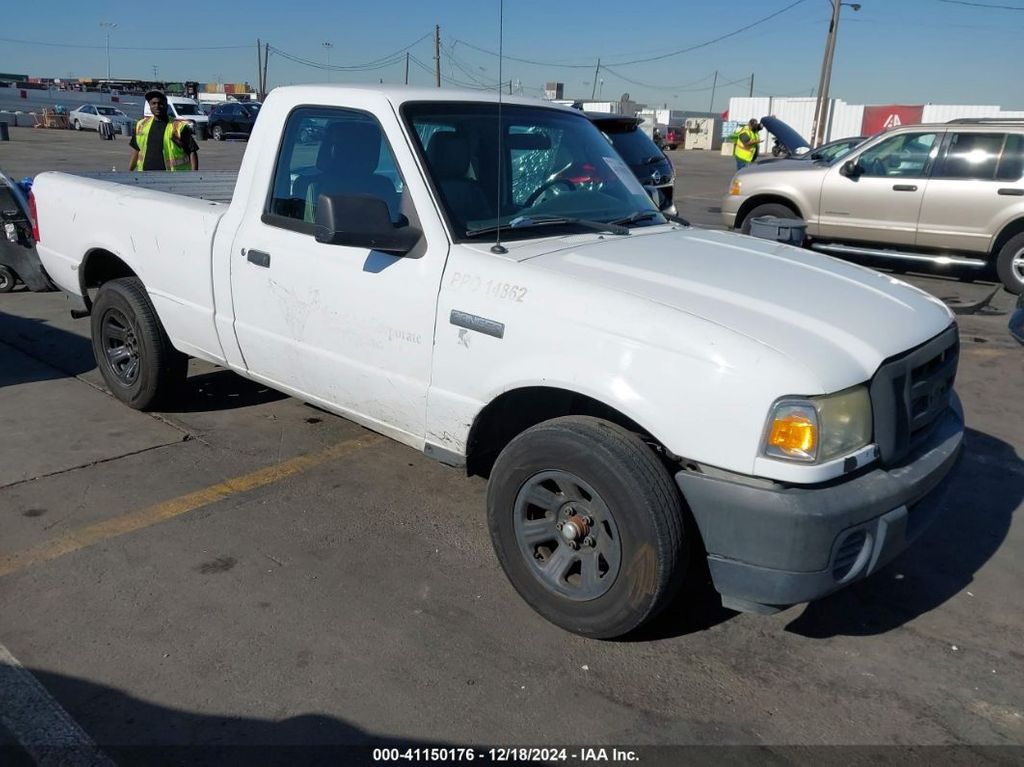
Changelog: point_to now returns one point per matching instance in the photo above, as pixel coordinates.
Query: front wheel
(767, 209)
(77, 125)
(8, 279)
(587, 525)
(133, 353)
(1010, 264)
(218, 133)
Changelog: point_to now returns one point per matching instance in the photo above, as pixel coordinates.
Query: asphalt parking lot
(248, 570)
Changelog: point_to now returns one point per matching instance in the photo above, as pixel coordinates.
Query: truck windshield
(556, 170)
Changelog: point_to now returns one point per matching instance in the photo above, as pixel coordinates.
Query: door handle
(258, 257)
(904, 188)
(1012, 192)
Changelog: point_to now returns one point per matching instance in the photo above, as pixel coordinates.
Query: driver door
(881, 203)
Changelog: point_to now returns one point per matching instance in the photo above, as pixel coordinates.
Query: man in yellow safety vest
(747, 142)
(159, 144)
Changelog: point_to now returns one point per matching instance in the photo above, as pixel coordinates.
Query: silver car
(948, 194)
(89, 117)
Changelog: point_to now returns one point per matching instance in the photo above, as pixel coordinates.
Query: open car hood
(792, 141)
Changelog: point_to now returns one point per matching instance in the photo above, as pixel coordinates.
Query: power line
(125, 48)
(984, 5)
(726, 36)
(676, 89)
(714, 40)
(380, 63)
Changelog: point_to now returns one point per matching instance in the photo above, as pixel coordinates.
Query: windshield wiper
(530, 222)
(633, 218)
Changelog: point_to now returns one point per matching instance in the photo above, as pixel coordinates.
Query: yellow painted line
(90, 535)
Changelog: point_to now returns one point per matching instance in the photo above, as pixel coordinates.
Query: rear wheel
(131, 347)
(8, 279)
(1010, 264)
(587, 525)
(767, 209)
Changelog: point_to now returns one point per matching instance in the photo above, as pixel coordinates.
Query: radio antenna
(498, 248)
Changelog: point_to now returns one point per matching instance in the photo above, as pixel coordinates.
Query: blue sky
(891, 51)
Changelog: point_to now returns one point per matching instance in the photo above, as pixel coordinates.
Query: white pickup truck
(641, 394)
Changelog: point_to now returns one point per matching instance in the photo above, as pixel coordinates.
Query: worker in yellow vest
(748, 141)
(162, 145)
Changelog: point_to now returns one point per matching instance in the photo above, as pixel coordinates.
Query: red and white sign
(880, 118)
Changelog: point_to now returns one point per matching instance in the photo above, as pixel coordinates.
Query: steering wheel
(544, 187)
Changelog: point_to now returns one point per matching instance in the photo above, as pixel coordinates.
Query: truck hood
(838, 320)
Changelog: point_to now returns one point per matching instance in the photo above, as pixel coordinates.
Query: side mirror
(851, 169)
(361, 221)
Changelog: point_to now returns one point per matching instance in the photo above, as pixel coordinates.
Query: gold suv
(949, 194)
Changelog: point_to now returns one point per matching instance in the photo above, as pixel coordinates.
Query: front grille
(910, 392)
(846, 556)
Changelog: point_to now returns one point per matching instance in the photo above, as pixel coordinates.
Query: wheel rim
(6, 280)
(1017, 265)
(567, 535)
(120, 346)
(218, 133)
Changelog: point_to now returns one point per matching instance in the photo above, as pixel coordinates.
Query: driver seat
(449, 156)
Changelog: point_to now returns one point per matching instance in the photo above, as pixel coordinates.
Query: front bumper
(771, 545)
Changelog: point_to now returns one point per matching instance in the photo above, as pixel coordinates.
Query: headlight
(735, 187)
(818, 429)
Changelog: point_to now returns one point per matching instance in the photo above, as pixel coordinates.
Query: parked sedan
(89, 117)
(232, 119)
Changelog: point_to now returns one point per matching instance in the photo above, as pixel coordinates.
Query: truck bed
(211, 185)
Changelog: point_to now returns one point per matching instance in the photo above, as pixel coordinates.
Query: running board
(849, 250)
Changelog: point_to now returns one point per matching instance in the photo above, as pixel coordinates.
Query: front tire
(587, 525)
(1010, 264)
(133, 353)
(77, 125)
(218, 133)
(8, 279)
(767, 209)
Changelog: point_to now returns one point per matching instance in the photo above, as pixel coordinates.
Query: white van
(181, 108)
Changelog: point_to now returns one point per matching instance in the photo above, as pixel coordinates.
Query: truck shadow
(977, 511)
(220, 389)
(131, 731)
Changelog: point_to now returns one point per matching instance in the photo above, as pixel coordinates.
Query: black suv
(232, 118)
(648, 163)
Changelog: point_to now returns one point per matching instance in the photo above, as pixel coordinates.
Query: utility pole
(259, 69)
(751, 85)
(109, 26)
(437, 55)
(821, 108)
(327, 47)
(266, 59)
(155, 70)
(714, 86)
(596, 71)
(407, 67)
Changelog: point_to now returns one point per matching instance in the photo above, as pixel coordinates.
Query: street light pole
(109, 26)
(327, 47)
(821, 107)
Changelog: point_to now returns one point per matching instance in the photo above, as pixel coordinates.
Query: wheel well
(516, 411)
(1010, 231)
(98, 267)
(764, 199)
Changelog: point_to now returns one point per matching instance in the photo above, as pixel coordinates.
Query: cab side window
(331, 151)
